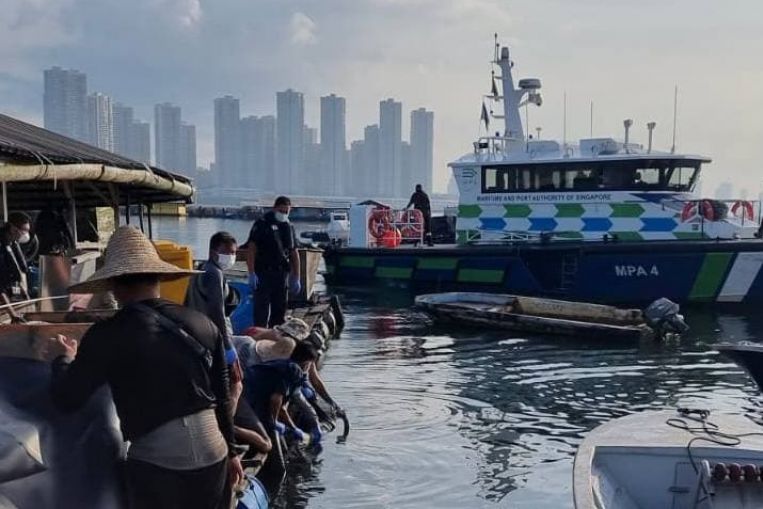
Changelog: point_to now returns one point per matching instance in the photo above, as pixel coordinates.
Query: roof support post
(140, 217)
(69, 192)
(5, 202)
(150, 223)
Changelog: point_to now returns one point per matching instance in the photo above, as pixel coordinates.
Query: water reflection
(450, 418)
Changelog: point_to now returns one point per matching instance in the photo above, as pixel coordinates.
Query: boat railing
(390, 227)
(493, 144)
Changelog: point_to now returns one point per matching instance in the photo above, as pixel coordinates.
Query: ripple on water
(492, 420)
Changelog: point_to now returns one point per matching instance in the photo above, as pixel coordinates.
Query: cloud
(431, 53)
(302, 29)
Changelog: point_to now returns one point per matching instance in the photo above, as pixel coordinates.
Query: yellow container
(180, 256)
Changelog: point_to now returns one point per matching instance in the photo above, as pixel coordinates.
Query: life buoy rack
(705, 209)
(379, 223)
(747, 211)
(412, 223)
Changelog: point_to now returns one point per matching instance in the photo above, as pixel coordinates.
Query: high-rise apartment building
(266, 152)
(390, 148)
(290, 143)
(422, 148)
(167, 136)
(228, 142)
(258, 145)
(100, 121)
(187, 147)
(371, 158)
(139, 145)
(333, 146)
(65, 102)
(123, 118)
(356, 185)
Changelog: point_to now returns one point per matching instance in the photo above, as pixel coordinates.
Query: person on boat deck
(13, 267)
(273, 264)
(290, 331)
(420, 201)
(269, 386)
(165, 365)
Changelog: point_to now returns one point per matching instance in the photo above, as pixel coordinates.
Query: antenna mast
(591, 132)
(564, 123)
(675, 118)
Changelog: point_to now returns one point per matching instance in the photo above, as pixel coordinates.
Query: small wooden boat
(682, 459)
(536, 315)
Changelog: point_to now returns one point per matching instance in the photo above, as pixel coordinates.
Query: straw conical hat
(129, 252)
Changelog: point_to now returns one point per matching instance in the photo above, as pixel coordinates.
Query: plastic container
(179, 256)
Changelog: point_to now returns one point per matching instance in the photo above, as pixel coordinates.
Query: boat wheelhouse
(514, 187)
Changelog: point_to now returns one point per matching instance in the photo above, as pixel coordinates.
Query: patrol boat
(600, 220)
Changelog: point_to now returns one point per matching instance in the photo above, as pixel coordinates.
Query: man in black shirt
(166, 367)
(420, 201)
(13, 267)
(273, 264)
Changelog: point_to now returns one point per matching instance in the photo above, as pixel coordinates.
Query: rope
(695, 422)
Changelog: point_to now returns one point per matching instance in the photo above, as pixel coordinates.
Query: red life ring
(688, 211)
(747, 210)
(708, 212)
(412, 223)
(379, 223)
(705, 209)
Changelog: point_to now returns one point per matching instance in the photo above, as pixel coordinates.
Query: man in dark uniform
(13, 267)
(273, 263)
(420, 201)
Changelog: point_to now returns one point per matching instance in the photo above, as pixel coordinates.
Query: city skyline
(251, 49)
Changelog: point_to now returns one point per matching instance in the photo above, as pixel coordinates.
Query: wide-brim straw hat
(129, 252)
(294, 328)
(270, 350)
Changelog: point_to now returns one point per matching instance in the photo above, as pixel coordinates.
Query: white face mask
(25, 237)
(226, 261)
(281, 217)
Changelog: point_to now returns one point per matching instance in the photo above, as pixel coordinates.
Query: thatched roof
(42, 167)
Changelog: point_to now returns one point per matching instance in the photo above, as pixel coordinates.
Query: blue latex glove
(295, 286)
(253, 281)
(297, 434)
(280, 428)
(316, 436)
(308, 392)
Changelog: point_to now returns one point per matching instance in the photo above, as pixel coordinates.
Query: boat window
(624, 175)
(681, 178)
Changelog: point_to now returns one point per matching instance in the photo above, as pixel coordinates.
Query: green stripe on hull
(689, 235)
(469, 211)
(479, 276)
(711, 276)
(569, 210)
(517, 211)
(626, 210)
(394, 272)
(357, 262)
(437, 263)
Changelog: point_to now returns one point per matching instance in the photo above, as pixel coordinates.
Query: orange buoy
(391, 238)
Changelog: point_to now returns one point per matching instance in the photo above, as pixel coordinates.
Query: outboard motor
(664, 318)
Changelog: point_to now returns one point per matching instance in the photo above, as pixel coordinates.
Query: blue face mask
(281, 217)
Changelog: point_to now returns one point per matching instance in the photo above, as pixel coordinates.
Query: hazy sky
(625, 55)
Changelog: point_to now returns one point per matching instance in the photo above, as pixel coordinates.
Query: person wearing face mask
(210, 294)
(13, 266)
(273, 264)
